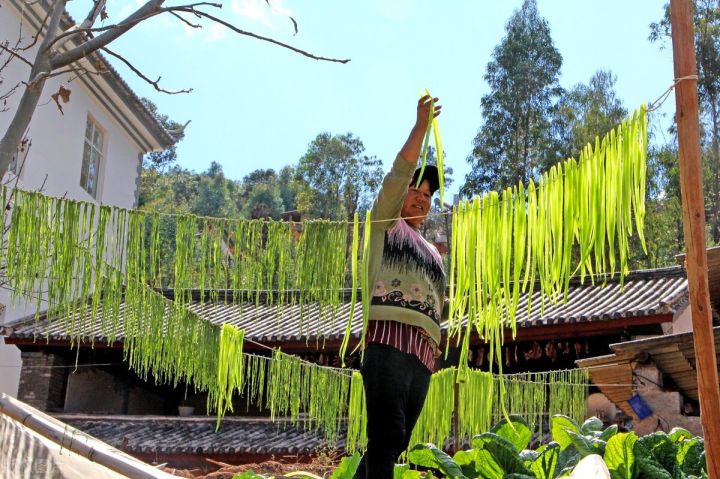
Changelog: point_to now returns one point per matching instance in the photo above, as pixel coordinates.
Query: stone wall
(667, 406)
(43, 379)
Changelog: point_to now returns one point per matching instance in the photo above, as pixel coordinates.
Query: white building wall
(55, 160)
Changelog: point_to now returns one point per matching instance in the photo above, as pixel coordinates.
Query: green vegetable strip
(353, 287)
(426, 141)
(230, 370)
(365, 279)
(531, 234)
(357, 416)
(435, 421)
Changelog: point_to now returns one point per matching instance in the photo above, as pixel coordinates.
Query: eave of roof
(649, 297)
(672, 354)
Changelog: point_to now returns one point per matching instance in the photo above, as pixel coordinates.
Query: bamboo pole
(66, 438)
(691, 176)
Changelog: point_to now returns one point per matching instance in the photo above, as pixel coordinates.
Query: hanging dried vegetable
(585, 206)
(356, 438)
(534, 396)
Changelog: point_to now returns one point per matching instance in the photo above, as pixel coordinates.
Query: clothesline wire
(507, 377)
(652, 106)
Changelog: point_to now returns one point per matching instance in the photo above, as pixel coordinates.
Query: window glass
(92, 158)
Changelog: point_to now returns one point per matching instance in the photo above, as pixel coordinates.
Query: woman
(408, 282)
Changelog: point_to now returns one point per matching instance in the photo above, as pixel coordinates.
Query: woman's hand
(423, 111)
(411, 149)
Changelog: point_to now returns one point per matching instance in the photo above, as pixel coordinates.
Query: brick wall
(43, 380)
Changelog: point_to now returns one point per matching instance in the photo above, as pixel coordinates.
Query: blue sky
(255, 105)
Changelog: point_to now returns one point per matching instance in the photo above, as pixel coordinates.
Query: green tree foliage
(215, 194)
(707, 48)
(336, 178)
(663, 216)
(588, 111)
(516, 141)
(260, 195)
(160, 160)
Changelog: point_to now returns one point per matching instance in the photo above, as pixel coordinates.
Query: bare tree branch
(150, 9)
(232, 27)
(16, 55)
(141, 75)
(98, 7)
(295, 25)
(37, 32)
(186, 21)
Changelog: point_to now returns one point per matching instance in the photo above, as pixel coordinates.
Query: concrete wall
(681, 323)
(55, 159)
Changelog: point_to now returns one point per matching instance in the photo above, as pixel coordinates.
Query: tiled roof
(645, 293)
(175, 435)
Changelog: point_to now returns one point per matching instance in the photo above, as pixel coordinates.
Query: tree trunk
(29, 100)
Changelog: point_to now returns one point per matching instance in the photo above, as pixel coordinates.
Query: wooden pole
(691, 176)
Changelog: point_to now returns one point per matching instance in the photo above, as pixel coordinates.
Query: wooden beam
(691, 176)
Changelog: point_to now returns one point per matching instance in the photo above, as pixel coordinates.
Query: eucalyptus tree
(516, 141)
(706, 16)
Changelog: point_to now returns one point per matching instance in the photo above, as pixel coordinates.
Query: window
(92, 157)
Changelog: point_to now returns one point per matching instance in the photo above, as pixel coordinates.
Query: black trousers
(396, 384)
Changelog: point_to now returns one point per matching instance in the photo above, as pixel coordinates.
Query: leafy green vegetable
(559, 427)
(608, 433)
(347, 467)
(591, 425)
(427, 455)
(619, 456)
(502, 451)
(656, 456)
(691, 456)
(248, 475)
(515, 430)
(545, 464)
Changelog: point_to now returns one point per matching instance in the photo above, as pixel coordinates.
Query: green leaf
(248, 475)
(656, 455)
(559, 427)
(545, 464)
(591, 425)
(678, 434)
(302, 475)
(587, 445)
(347, 467)
(427, 455)
(478, 463)
(502, 451)
(691, 456)
(412, 475)
(400, 469)
(567, 460)
(609, 432)
(619, 456)
(515, 429)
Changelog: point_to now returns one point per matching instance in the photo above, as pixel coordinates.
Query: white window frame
(99, 152)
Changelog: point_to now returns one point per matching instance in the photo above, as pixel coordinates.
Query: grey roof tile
(644, 293)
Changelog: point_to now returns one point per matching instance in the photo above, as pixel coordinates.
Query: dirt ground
(322, 466)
